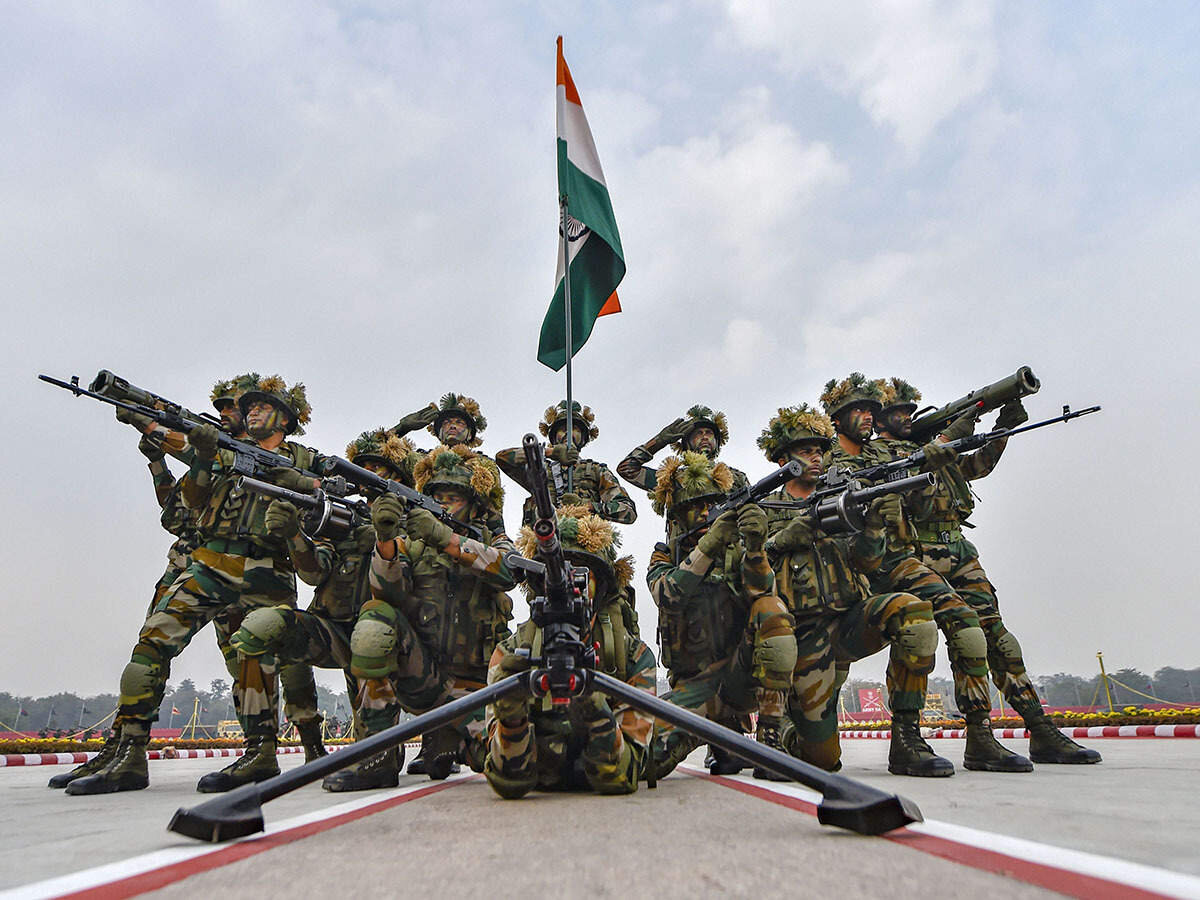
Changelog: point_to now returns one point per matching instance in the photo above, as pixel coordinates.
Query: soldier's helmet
(292, 400)
(453, 404)
(587, 540)
(228, 391)
(381, 447)
(855, 388)
(462, 469)
(555, 418)
(700, 416)
(686, 479)
(793, 425)
(896, 393)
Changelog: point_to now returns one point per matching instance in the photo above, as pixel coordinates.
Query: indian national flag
(593, 245)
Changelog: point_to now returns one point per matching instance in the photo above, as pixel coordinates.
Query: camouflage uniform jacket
(339, 571)
(901, 539)
(830, 575)
(560, 732)
(592, 481)
(457, 607)
(704, 604)
(232, 515)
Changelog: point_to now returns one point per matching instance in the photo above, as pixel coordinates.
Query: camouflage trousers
(958, 562)
(756, 675)
(901, 622)
(472, 729)
(214, 585)
(958, 622)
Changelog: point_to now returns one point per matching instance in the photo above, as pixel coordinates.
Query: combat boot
(440, 748)
(127, 771)
(986, 754)
(106, 755)
(258, 763)
(417, 766)
(379, 771)
(770, 734)
(1049, 745)
(312, 740)
(909, 754)
(723, 762)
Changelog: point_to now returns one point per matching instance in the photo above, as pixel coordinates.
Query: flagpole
(562, 202)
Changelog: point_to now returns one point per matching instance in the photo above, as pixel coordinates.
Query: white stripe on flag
(573, 128)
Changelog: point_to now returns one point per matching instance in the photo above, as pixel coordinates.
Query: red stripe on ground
(1064, 881)
(157, 878)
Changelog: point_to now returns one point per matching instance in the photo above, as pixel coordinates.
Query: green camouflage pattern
(592, 482)
(792, 425)
(635, 469)
(855, 388)
(292, 400)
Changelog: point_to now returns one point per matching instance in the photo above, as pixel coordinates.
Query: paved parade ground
(1128, 827)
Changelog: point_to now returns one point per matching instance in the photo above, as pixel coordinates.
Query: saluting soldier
(700, 430)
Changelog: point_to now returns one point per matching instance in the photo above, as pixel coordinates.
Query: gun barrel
(1021, 383)
(304, 501)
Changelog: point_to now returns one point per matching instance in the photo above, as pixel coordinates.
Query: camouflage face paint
(264, 419)
(856, 423)
(897, 423)
(703, 440)
(809, 455)
(453, 502)
(454, 430)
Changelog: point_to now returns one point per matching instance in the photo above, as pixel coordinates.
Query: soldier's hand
(887, 509)
(282, 519)
(797, 534)
(204, 441)
(137, 420)
(423, 525)
(564, 455)
(292, 479)
(963, 426)
(752, 526)
(419, 419)
(937, 456)
(673, 432)
(150, 448)
(1012, 414)
(721, 533)
(387, 512)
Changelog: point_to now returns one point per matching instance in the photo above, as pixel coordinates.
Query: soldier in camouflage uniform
(338, 570)
(701, 430)
(854, 404)
(727, 641)
(436, 613)
(938, 520)
(240, 566)
(838, 617)
(588, 744)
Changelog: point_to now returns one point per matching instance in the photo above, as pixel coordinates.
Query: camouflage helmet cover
(274, 390)
(382, 447)
(453, 404)
(792, 425)
(581, 415)
(691, 476)
(229, 390)
(896, 392)
(589, 541)
(850, 390)
(460, 468)
(700, 415)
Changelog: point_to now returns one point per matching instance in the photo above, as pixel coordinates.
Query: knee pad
(1008, 646)
(919, 638)
(372, 644)
(968, 642)
(774, 660)
(138, 682)
(260, 629)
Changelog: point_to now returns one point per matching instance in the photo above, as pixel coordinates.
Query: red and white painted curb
(1071, 872)
(1096, 731)
(74, 759)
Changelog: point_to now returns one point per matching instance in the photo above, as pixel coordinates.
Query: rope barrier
(1147, 696)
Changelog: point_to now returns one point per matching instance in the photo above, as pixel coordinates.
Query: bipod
(845, 802)
(239, 812)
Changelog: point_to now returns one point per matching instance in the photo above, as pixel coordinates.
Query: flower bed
(1130, 715)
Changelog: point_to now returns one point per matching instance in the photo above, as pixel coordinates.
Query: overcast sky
(362, 196)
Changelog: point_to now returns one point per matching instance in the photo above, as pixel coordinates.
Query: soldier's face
(264, 419)
(379, 469)
(454, 430)
(808, 455)
(856, 423)
(897, 423)
(695, 514)
(454, 502)
(703, 440)
(231, 417)
(560, 434)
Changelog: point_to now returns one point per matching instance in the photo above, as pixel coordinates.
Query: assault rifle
(248, 459)
(327, 514)
(565, 670)
(840, 501)
(896, 468)
(751, 493)
(112, 385)
(1022, 383)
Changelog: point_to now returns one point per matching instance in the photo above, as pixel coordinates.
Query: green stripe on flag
(595, 273)
(588, 202)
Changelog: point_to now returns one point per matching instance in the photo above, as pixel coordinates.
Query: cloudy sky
(362, 196)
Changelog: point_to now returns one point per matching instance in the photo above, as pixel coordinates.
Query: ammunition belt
(238, 548)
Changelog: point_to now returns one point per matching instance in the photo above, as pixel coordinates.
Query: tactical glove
(564, 455)
(424, 526)
(292, 479)
(720, 534)
(752, 526)
(963, 426)
(150, 448)
(137, 420)
(386, 515)
(419, 419)
(886, 509)
(1012, 414)
(282, 519)
(937, 456)
(673, 432)
(204, 441)
(797, 534)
